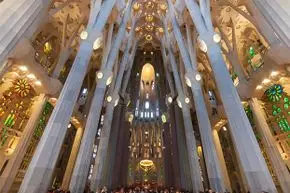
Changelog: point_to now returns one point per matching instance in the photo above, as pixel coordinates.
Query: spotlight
(84, 35)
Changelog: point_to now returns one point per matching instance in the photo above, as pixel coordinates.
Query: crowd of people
(138, 189)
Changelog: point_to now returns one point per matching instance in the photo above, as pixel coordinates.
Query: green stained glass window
(280, 105)
(252, 51)
(43, 120)
(274, 93)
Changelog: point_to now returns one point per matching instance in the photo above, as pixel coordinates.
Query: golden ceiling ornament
(149, 38)
(163, 6)
(136, 6)
(149, 5)
(149, 27)
(22, 87)
(149, 18)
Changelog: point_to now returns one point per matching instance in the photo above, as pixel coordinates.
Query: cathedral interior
(190, 94)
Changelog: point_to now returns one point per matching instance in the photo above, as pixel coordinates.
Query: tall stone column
(72, 159)
(7, 178)
(121, 168)
(221, 158)
(211, 159)
(248, 151)
(269, 143)
(183, 157)
(189, 133)
(19, 18)
(38, 175)
(111, 152)
(82, 165)
(252, 162)
(105, 133)
(116, 155)
(167, 158)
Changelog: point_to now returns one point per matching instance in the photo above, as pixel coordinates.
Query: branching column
(105, 133)
(211, 159)
(189, 133)
(39, 173)
(81, 170)
(252, 162)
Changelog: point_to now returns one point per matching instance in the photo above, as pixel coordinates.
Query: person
(104, 190)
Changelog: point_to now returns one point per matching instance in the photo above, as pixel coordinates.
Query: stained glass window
(254, 58)
(279, 106)
(15, 106)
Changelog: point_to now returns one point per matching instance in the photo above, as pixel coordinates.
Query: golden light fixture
(217, 38)
(179, 103)
(161, 30)
(198, 77)
(100, 75)
(146, 164)
(170, 99)
(109, 99)
(163, 118)
(149, 38)
(202, 45)
(109, 80)
(187, 100)
(84, 35)
(98, 43)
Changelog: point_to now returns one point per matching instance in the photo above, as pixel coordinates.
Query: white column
(39, 173)
(14, 163)
(269, 143)
(82, 165)
(105, 133)
(211, 159)
(72, 159)
(252, 162)
(221, 158)
(189, 133)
